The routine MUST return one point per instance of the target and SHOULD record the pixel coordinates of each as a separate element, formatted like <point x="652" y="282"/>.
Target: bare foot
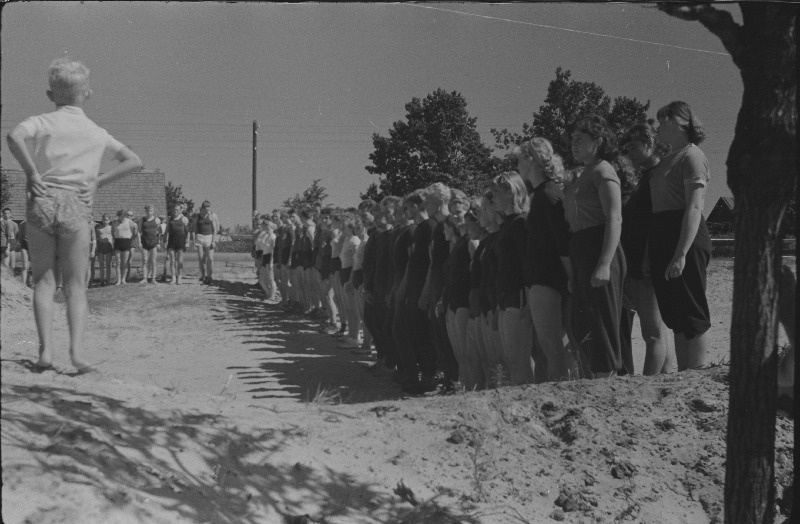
<point x="81" y="366"/>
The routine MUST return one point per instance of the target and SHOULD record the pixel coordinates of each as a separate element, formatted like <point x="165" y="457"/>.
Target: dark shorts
<point x="259" y="253"/>
<point x="344" y="275"/>
<point x="325" y="268"/>
<point x="358" y="278"/>
<point x="295" y="263"/>
<point x="682" y="301"/>
<point x="122" y="244"/>
<point x="23" y="244"/>
<point x="105" y="247"/>
<point x="336" y="264"/>
<point x="511" y="300"/>
<point x="266" y="259"/>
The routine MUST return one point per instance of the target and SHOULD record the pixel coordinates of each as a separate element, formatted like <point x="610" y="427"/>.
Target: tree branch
<point x="719" y="22"/>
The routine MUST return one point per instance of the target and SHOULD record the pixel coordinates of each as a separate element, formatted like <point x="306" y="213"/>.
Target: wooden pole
<point x="255" y="149"/>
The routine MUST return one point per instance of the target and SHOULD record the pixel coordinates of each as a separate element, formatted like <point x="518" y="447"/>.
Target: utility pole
<point x="255" y="149"/>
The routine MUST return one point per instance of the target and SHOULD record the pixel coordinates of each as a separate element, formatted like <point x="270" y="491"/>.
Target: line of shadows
<point x="196" y="465"/>
<point x="296" y="361"/>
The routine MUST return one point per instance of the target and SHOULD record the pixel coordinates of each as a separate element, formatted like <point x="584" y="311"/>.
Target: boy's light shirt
<point x="67" y="148"/>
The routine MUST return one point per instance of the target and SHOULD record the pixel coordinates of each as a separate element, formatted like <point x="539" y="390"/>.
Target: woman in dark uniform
<point x="593" y="203"/>
<point x="510" y="198"/>
<point x="680" y="246"/>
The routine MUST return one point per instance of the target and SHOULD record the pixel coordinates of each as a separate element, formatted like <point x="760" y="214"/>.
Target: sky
<point x="182" y="83"/>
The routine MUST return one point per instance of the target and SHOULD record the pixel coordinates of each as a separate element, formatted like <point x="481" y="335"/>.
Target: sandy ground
<point x="211" y="406"/>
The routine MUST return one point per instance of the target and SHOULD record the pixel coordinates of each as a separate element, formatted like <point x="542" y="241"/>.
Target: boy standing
<point x="62" y="167"/>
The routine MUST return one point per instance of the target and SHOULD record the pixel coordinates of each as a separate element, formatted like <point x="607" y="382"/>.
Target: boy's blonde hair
<point x="67" y="78"/>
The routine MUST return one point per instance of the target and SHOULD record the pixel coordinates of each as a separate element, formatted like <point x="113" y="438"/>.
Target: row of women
<point x="535" y="280"/>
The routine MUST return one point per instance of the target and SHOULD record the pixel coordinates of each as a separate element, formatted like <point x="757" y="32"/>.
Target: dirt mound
<point x="205" y="410"/>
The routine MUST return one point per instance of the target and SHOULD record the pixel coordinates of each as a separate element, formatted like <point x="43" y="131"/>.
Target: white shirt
<point x="348" y="251"/>
<point x="67" y="147"/>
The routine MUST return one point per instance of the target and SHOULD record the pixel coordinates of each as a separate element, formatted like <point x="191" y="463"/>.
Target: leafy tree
<point x="313" y="195"/>
<point x="5" y="189"/>
<point x="437" y="142"/>
<point x="567" y="100"/>
<point x="762" y="174"/>
<point x="175" y="196"/>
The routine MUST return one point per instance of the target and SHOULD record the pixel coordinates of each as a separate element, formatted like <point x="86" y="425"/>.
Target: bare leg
<point x="517" y="337"/>
<point x="43" y="261"/>
<point x="691" y="353"/>
<point x="209" y="254"/>
<point x="25" y="266"/>
<point x="73" y="261"/>
<point x="545" y="305"/>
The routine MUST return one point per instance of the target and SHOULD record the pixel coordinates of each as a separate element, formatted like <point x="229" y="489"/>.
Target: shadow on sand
<point x="297" y="361"/>
<point x="195" y="465"/>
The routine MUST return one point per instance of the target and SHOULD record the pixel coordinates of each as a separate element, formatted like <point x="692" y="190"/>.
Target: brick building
<point x="129" y="192"/>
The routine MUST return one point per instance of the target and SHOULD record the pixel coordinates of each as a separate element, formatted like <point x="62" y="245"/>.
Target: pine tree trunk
<point x="762" y="174"/>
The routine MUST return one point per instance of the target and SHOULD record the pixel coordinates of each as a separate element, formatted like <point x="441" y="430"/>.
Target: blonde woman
<point x="547" y="270"/>
<point x="510" y="197"/>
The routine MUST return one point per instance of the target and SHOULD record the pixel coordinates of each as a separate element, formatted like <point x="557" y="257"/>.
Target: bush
<point x="234" y="246"/>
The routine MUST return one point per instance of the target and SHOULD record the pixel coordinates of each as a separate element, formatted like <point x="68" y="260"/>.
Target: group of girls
<point x="535" y="280"/>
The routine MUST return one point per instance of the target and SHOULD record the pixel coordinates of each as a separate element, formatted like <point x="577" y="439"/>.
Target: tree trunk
<point x="762" y="175"/>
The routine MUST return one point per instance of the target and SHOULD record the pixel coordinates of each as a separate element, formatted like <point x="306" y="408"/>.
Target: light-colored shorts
<point x="203" y="240"/>
<point x="60" y="213"/>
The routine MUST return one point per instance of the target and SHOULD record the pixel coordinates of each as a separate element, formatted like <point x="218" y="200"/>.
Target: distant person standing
<point x="9" y="239"/>
<point x="177" y="240"/>
<point x="62" y="167"/>
<point x="204" y="231"/>
<point x="105" y="248"/>
<point x="123" y="229"/>
<point x="149" y="232"/>
<point x="22" y="238"/>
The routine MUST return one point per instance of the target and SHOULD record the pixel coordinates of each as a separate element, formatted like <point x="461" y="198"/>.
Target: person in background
<point x="105" y="247"/>
<point x="204" y="229"/>
<point x="9" y="233"/>
<point x="92" y="253"/>
<point x="679" y="246"/>
<point x="177" y="242"/>
<point x="22" y="238"/>
<point x="496" y="370"/>
<point x="149" y="232"/>
<point x="123" y="230"/>
<point x="476" y="353"/>
<point x="594" y="211"/>
<point x="639" y="144"/>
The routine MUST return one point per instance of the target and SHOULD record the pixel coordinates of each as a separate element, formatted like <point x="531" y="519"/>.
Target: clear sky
<point x="181" y="83"/>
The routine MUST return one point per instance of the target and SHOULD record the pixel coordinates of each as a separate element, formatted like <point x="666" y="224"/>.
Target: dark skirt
<point x="344" y="274"/>
<point x="596" y="310"/>
<point x="358" y="278"/>
<point x="266" y="259"/>
<point x="682" y="301"/>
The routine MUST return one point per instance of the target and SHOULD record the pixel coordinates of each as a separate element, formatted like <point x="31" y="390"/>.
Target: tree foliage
<point x="437" y="142"/>
<point x="313" y="195"/>
<point x="566" y="100"/>
<point x="175" y="196"/>
<point x="5" y="189"/>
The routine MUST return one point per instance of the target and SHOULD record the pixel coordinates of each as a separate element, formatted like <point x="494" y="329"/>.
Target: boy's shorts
<point x="202" y="240"/>
<point x="60" y="213"/>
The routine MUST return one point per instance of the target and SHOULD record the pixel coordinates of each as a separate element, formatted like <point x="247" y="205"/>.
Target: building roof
<point x="131" y="192"/>
<point x="722" y="211"/>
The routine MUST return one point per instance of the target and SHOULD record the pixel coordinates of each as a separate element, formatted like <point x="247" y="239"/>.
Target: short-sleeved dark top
<point x="489" y="269"/>
<point x="582" y="197"/>
<point x="687" y="166"/>
<point x="636" y="214"/>
<point x="420" y="259"/>
<point x="548" y="238"/>
<point x="458" y="275"/>
<point x="404" y="238"/>
<point x="510" y="251"/>
<point x="370" y="255"/>
<point x="382" y="280"/>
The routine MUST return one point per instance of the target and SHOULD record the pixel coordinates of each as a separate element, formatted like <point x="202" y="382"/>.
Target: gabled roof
<point x="129" y="192"/>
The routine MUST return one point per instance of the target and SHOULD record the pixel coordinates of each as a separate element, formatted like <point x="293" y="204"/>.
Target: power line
<point x="567" y="29"/>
